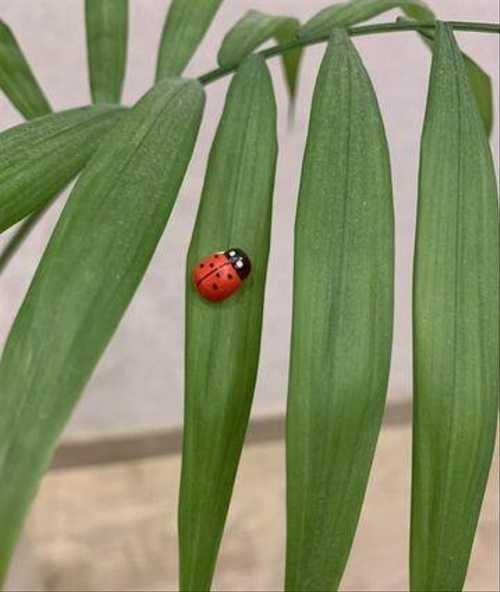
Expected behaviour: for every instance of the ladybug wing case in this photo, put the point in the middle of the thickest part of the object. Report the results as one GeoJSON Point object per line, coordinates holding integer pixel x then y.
{"type": "Point", "coordinates": [215, 278]}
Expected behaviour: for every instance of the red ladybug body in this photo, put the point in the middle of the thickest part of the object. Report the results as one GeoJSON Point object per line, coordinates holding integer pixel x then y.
{"type": "Point", "coordinates": [220, 275]}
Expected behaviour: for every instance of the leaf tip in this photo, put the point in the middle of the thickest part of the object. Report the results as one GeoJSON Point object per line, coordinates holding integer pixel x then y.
{"type": "Point", "coordinates": [339, 37]}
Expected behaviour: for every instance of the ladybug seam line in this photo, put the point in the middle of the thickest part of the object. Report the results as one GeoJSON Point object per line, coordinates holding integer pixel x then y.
{"type": "Point", "coordinates": [211, 272]}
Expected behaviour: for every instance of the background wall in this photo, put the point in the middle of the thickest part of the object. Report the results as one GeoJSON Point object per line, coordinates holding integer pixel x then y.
{"type": "Point", "coordinates": [126, 513]}
{"type": "Point", "coordinates": [139, 381]}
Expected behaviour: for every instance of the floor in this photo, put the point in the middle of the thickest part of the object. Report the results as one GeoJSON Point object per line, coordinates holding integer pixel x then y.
{"type": "Point", "coordinates": [113, 528]}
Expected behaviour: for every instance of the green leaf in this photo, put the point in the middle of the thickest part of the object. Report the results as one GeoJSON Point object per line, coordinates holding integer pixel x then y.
{"type": "Point", "coordinates": [90, 271]}
{"type": "Point", "coordinates": [185, 26]}
{"type": "Point", "coordinates": [456, 332]}
{"type": "Point", "coordinates": [357, 11]}
{"type": "Point", "coordinates": [342, 319]}
{"type": "Point", "coordinates": [107, 31]}
{"type": "Point", "coordinates": [480, 81]}
{"type": "Point", "coordinates": [17, 80]}
{"type": "Point", "coordinates": [482, 90]}
{"type": "Point", "coordinates": [20, 86]}
{"type": "Point", "coordinates": [41, 157]}
{"type": "Point", "coordinates": [223, 340]}
{"type": "Point", "coordinates": [252, 30]}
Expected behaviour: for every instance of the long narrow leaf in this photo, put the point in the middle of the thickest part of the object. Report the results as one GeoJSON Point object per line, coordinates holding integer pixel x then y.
{"type": "Point", "coordinates": [185, 26]}
{"type": "Point", "coordinates": [357, 11]}
{"type": "Point", "coordinates": [252, 30]}
{"type": "Point", "coordinates": [342, 319]}
{"type": "Point", "coordinates": [20, 86]}
{"type": "Point", "coordinates": [223, 340]}
{"type": "Point", "coordinates": [17, 80]}
{"type": "Point", "coordinates": [107, 31]}
{"type": "Point", "coordinates": [38, 159]}
{"type": "Point", "coordinates": [456, 304]}
{"type": "Point", "coordinates": [93, 264]}
{"type": "Point", "coordinates": [480, 81]}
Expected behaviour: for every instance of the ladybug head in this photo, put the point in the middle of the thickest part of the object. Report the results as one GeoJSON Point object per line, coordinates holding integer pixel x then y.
{"type": "Point", "coordinates": [240, 261]}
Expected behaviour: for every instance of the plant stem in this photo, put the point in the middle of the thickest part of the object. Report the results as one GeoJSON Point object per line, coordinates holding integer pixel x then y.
{"type": "Point", "coordinates": [15, 242]}
{"type": "Point", "coordinates": [353, 32]}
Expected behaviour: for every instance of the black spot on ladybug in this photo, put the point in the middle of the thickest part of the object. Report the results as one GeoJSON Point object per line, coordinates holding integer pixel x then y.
{"type": "Point", "coordinates": [229, 276]}
{"type": "Point", "coordinates": [211, 264]}
{"type": "Point", "coordinates": [218, 274]}
{"type": "Point", "coordinates": [202, 265]}
{"type": "Point", "coordinates": [215, 286]}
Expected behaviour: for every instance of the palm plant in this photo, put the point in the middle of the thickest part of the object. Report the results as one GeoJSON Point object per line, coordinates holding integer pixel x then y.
{"type": "Point", "coordinates": [130, 163]}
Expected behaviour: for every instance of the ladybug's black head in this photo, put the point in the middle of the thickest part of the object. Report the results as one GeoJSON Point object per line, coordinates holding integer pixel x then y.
{"type": "Point", "coordinates": [240, 261]}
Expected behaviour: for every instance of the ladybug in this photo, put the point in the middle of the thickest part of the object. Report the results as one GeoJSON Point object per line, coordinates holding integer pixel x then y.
{"type": "Point", "coordinates": [220, 275]}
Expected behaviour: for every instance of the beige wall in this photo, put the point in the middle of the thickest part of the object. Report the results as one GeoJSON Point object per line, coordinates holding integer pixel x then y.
{"type": "Point", "coordinates": [139, 381]}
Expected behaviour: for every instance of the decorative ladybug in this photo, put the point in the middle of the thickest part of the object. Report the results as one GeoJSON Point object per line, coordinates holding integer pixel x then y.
{"type": "Point", "coordinates": [222, 274]}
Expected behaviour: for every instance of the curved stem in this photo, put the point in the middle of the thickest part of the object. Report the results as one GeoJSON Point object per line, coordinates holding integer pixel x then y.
{"type": "Point", "coordinates": [353, 32]}
{"type": "Point", "coordinates": [22, 232]}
